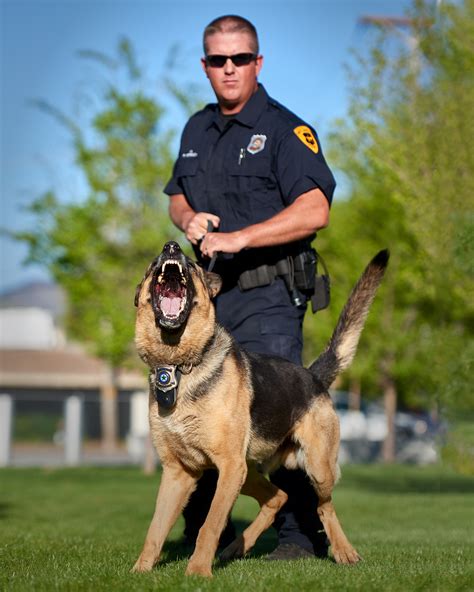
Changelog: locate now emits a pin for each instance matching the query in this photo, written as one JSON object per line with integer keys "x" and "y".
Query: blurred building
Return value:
{"x": 40, "y": 368}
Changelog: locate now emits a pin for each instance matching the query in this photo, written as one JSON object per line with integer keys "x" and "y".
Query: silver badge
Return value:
{"x": 165, "y": 378}
{"x": 257, "y": 143}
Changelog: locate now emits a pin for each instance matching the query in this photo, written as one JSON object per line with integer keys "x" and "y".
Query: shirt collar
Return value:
{"x": 251, "y": 111}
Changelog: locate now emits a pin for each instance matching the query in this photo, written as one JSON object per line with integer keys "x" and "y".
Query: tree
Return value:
{"x": 98, "y": 248}
{"x": 405, "y": 149}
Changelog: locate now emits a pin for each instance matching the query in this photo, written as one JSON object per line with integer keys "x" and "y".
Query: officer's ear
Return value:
{"x": 204, "y": 66}
{"x": 213, "y": 283}
{"x": 258, "y": 64}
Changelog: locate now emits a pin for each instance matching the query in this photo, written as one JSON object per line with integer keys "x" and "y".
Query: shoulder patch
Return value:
{"x": 306, "y": 136}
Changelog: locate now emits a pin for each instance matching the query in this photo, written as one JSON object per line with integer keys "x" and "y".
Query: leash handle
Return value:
{"x": 212, "y": 262}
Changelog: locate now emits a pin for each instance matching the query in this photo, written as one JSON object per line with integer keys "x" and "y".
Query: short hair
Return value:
{"x": 231, "y": 23}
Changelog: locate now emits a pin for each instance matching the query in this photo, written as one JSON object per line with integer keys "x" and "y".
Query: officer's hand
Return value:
{"x": 197, "y": 226}
{"x": 222, "y": 242}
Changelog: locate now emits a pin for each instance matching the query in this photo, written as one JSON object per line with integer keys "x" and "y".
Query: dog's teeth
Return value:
{"x": 161, "y": 277}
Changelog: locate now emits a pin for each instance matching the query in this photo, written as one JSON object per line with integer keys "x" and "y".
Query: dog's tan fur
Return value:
{"x": 216, "y": 430}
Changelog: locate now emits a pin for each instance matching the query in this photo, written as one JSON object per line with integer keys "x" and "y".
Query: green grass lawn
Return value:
{"x": 82, "y": 529}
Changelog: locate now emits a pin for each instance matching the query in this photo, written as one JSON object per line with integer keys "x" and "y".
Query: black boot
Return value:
{"x": 300, "y": 531}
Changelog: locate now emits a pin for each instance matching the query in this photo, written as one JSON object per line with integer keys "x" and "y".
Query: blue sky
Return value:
{"x": 305, "y": 44}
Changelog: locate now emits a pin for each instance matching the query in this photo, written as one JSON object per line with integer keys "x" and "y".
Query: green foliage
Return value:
{"x": 458, "y": 451}
{"x": 36, "y": 427}
{"x": 98, "y": 248}
{"x": 407, "y": 151}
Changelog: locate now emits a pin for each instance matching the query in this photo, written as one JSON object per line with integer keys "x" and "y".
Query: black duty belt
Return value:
{"x": 299, "y": 273}
{"x": 263, "y": 275}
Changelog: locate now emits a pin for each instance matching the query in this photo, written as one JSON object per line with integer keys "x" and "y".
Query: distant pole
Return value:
{"x": 397, "y": 24}
{"x": 6, "y": 425}
{"x": 139, "y": 442}
{"x": 73, "y": 430}
{"x": 109, "y": 411}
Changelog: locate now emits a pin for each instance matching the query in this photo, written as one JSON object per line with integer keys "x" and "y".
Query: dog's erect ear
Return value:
{"x": 137, "y": 293}
{"x": 149, "y": 269}
{"x": 213, "y": 283}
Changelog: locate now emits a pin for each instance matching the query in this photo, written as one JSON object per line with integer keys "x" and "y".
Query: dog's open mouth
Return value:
{"x": 170, "y": 290}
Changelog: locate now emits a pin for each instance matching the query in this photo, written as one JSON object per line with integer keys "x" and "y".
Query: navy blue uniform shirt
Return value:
{"x": 249, "y": 168}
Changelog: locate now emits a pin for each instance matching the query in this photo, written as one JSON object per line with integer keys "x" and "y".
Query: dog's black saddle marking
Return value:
{"x": 166, "y": 386}
{"x": 283, "y": 392}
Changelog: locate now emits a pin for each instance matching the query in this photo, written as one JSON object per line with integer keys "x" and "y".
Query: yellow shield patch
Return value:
{"x": 306, "y": 136}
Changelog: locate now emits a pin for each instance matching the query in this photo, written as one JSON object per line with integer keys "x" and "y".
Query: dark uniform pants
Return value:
{"x": 264, "y": 320}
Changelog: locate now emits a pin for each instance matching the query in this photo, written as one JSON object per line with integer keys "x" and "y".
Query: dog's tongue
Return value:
{"x": 170, "y": 306}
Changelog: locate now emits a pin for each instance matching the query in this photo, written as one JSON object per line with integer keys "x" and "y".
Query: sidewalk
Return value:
{"x": 50, "y": 455}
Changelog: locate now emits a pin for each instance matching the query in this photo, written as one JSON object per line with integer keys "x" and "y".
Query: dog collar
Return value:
{"x": 166, "y": 385}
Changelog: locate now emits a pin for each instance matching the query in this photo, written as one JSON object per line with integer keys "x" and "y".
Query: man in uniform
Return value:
{"x": 255, "y": 172}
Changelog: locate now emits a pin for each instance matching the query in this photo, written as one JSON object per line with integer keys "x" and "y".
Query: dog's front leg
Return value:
{"x": 175, "y": 488}
{"x": 231, "y": 479}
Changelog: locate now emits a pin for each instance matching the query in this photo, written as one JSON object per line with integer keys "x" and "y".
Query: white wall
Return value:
{"x": 27, "y": 328}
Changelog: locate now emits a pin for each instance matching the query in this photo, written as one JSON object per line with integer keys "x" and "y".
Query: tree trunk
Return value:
{"x": 354, "y": 395}
{"x": 390, "y": 407}
{"x": 109, "y": 412}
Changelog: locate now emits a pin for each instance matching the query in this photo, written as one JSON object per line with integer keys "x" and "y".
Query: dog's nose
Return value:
{"x": 172, "y": 248}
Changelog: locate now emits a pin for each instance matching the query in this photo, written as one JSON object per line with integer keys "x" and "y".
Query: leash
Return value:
{"x": 210, "y": 228}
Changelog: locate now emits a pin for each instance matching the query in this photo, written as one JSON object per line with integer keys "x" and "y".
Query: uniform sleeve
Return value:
{"x": 301, "y": 166}
{"x": 174, "y": 186}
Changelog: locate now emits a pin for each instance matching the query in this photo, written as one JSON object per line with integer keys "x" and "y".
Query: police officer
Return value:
{"x": 256, "y": 172}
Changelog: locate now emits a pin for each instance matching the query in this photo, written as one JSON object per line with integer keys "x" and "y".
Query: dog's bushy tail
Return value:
{"x": 343, "y": 344}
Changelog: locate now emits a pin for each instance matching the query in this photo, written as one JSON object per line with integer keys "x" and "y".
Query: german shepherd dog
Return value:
{"x": 239, "y": 412}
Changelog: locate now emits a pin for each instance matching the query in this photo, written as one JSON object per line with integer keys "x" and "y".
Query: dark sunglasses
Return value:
{"x": 239, "y": 59}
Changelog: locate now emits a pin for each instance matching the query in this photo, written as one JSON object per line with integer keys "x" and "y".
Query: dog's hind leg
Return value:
{"x": 318, "y": 435}
{"x": 231, "y": 478}
{"x": 270, "y": 498}
{"x": 175, "y": 488}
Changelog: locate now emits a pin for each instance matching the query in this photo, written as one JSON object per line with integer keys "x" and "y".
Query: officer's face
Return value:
{"x": 233, "y": 85}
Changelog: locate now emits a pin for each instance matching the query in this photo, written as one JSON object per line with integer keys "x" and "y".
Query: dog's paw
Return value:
{"x": 346, "y": 555}
{"x": 198, "y": 569}
{"x": 142, "y": 566}
{"x": 233, "y": 551}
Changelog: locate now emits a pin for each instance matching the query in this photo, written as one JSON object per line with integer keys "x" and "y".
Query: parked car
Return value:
{"x": 363, "y": 432}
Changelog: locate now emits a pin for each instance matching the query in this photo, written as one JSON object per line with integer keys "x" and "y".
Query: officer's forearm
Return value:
{"x": 307, "y": 214}
{"x": 181, "y": 213}
{"x": 194, "y": 224}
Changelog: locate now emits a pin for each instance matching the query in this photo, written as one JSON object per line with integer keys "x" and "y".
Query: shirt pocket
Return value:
{"x": 253, "y": 179}
{"x": 186, "y": 175}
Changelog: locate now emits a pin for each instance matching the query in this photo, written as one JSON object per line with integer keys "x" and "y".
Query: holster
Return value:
{"x": 298, "y": 271}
